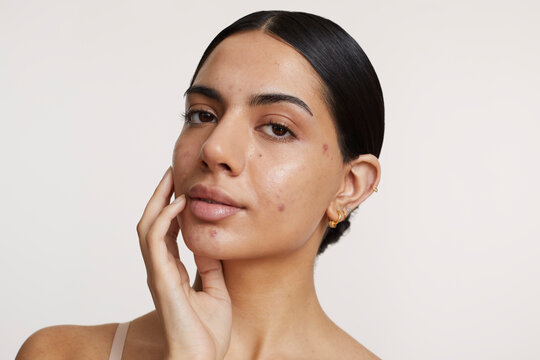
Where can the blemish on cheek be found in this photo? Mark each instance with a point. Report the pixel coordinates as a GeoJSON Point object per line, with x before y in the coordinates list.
{"type": "Point", "coordinates": [213, 233]}
{"type": "Point", "coordinates": [325, 147]}
{"type": "Point", "coordinates": [281, 207]}
{"type": "Point", "coordinates": [260, 155]}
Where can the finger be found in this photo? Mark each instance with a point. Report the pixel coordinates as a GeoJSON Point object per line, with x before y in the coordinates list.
{"type": "Point", "coordinates": [211, 273]}
{"type": "Point", "coordinates": [171, 238]}
{"type": "Point", "coordinates": [152, 210]}
{"type": "Point", "coordinates": [168, 279]}
{"type": "Point", "coordinates": [159, 199]}
{"type": "Point", "coordinates": [158, 243]}
{"type": "Point", "coordinates": [172, 247]}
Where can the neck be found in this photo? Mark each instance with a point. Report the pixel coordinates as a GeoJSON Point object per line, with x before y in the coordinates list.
{"type": "Point", "coordinates": [272, 298]}
{"type": "Point", "coordinates": [269, 293]}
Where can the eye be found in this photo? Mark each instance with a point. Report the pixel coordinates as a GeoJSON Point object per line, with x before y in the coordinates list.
{"type": "Point", "coordinates": [279, 131]}
{"type": "Point", "coordinates": [198, 117]}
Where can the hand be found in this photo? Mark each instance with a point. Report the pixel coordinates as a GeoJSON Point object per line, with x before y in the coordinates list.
{"type": "Point", "coordinates": [196, 324]}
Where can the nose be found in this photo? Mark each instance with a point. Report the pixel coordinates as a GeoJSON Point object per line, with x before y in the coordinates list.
{"type": "Point", "coordinates": [225, 149]}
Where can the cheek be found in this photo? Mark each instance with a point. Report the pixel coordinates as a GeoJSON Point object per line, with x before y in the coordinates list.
{"type": "Point", "coordinates": [302, 187]}
{"type": "Point", "coordinates": [286, 188]}
{"type": "Point", "coordinates": [184, 159]}
{"type": "Point", "coordinates": [183, 151]}
{"type": "Point", "coordinates": [280, 186]}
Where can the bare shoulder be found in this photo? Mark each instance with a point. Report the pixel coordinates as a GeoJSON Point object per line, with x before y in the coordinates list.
{"type": "Point", "coordinates": [348, 347]}
{"type": "Point", "coordinates": [355, 350]}
{"type": "Point", "coordinates": [68, 342]}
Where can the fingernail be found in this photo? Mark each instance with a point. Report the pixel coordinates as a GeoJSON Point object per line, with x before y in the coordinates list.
{"type": "Point", "coordinates": [180, 198]}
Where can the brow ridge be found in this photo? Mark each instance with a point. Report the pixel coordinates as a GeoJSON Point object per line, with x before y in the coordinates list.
{"type": "Point", "coordinates": [258, 99]}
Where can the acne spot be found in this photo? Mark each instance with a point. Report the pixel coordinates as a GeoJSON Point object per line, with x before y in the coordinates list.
{"type": "Point", "coordinates": [325, 147]}
{"type": "Point", "coordinates": [213, 233]}
{"type": "Point", "coordinates": [281, 207]}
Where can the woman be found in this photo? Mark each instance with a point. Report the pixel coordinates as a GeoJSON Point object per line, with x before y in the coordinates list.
{"type": "Point", "coordinates": [283, 125]}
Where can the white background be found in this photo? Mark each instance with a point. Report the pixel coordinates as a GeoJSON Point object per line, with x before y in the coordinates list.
{"type": "Point", "coordinates": [442, 263]}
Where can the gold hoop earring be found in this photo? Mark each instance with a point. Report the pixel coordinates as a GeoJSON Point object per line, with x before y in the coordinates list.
{"type": "Point", "coordinates": [374, 188]}
{"type": "Point", "coordinates": [333, 223]}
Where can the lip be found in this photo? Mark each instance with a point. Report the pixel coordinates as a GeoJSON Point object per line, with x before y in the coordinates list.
{"type": "Point", "coordinates": [222, 205]}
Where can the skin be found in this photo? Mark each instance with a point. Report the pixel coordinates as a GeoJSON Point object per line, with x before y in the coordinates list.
{"type": "Point", "coordinates": [254, 296]}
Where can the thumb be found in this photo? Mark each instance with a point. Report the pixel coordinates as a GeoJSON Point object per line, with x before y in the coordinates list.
{"type": "Point", "coordinates": [211, 272]}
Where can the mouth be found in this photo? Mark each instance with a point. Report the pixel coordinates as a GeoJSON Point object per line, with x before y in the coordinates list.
{"type": "Point", "coordinates": [211, 203]}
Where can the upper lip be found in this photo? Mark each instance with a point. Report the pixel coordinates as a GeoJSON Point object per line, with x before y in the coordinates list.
{"type": "Point", "coordinates": [200, 191]}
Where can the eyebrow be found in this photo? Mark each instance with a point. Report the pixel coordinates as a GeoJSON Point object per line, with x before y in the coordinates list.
{"type": "Point", "coordinates": [258, 99]}
{"type": "Point", "coordinates": [204, 90]}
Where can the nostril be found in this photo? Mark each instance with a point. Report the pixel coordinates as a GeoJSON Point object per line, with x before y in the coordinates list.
{"type": "Point", "coordinates": [221, 165]}
{"type": "Point", "coordinates": [225, 166]}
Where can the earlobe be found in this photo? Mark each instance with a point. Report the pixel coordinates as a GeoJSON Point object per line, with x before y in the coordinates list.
{"type": "Point", "coordinates": [360, 181]}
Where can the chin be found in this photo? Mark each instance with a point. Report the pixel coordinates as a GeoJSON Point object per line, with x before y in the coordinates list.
{"type": "Point", "coordinates": [202, 245]}
{"type": "Point", "coordinates": [217, 240]}
{"type": "Point", "coordinates": [211, 241]}
{"type": "Point", "coordinates": [223, 244]}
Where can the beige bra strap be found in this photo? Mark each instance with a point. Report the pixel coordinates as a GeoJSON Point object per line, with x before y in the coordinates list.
{"type": "Point", "coordinates": [118, 341]}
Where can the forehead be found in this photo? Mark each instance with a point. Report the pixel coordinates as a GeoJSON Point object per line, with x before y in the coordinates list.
{"type": "Point", "coordinates": [254, 62]}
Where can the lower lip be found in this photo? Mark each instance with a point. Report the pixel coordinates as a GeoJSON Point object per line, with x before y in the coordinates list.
{"type": "Point", "coordinates": [211, 212]}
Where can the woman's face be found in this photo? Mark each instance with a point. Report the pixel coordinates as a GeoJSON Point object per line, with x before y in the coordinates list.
{"type": "Point", "coordinates": [259, 137]}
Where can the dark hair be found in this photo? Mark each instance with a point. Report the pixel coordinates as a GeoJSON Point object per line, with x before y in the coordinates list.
{"type": "Point", "coordinates": [352, 89]}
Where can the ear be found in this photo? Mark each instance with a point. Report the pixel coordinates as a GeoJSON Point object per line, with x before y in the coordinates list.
{"type": "Point", "coordinates": [361, 178]}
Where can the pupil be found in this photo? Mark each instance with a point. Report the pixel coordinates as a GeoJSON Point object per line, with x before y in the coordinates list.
{"type": "Point", "coordinates": [205, 116]}
{"type": "Point", "coordinates": [278, 130]}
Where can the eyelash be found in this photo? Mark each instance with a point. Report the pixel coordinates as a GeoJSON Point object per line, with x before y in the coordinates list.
{"type": "Point", "coordinates": [187, 116]}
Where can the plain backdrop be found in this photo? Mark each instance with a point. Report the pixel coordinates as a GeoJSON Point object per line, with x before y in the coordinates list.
{"type": "Point", "coordinates": [442, 263]}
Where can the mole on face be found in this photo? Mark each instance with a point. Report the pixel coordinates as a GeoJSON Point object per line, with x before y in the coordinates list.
{"type": "Point", "coordinates": [325, 147]}
{"type": "Point", "coordinates": [260, 155]}
{"type": "Point", "coordinates": [281, 207]}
